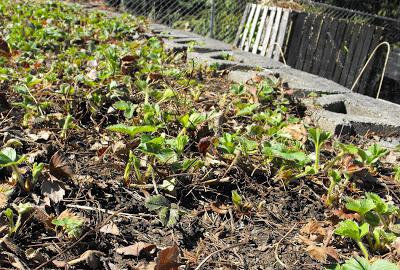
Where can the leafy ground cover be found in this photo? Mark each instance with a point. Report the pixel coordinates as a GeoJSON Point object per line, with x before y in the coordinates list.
{"type": "Point", "coordinates": [117, 154]}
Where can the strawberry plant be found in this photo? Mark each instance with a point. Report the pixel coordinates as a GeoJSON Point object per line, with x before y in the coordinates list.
{"type": "Point", "coordinates": [354, 231]}
{"type": "Point", "coordinates": [319, 138]}
{"type": "Point", "coordinates": [360, 263]}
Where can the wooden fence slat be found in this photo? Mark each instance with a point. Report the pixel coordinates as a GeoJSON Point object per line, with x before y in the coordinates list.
{"type": "Point", "coordinates": [295, 39]}
{"type": "Point", "coordinates": [357, 55]}
{"type": "Point", "coordinates": [329, 47]}
{"type": "Point", "coordinates": [241, 26]}
{"type": "Point", "coordinates": [320, 46]}
{"type": "Point", "coordinates": [253, 28]}
{"type": "Point", "coordinates": [349, 56]}
{"type": "Point", "coordinates": [362, 59]}
{"type": "Point", "coordinates": [305, 40]}
{"type": "Point", "coordinates": [368, 89]}
{"type": "Point", "coordinates": [281, 34]}
{"type": "Point", "coordinates": [260, 30]}
{"type": "Point", "coordinates": [274, 32]}
{"type": "Point", "coordinates": [248, 24]}
{"type": "Point", "coordinates": [268, 31]}
{"type": "Point", "coordinates": [312, 45]}
{"type": "Point", "coordinates": [341, 27]}
{"type": "Point", "coordinates": [343, 50]}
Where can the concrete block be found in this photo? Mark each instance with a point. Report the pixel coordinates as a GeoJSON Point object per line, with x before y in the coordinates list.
{"type": "Point", "coordinates": [237, 60]}
{"type": "Point", "coordinates": [353, 113]}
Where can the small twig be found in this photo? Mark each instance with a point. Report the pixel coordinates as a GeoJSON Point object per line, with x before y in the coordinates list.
{"type": "Point", "coordinates": [218, 251]}
{"type": "Point", "coordinates": [277, 246]}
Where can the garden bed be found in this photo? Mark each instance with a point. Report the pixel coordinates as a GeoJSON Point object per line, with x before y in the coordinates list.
{"type": "Point", "coordinates": [117, 154]}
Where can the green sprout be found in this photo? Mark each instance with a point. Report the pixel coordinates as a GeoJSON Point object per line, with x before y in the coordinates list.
{"type": "Point", "coordinates": [21, 209]}
{"type": "Point", "coordinates": [318, 137]}
{"type": "Point", "coordinates": [335, 178]}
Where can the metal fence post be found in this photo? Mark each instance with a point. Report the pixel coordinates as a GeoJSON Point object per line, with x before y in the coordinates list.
{"type": "Point", "coordinates": [212, 18]}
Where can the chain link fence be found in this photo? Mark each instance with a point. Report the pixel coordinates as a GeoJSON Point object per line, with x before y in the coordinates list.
{"type": "Point", "coordinates": [218, 19]}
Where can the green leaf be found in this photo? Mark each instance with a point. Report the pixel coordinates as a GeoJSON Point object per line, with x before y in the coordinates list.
{"type": "Point", "coordinates": [348, 148]}
{"type": "Point", "coordinates": [335, 176]}
{"type": "Point", "coordinates": [36, 171]}
{"type": "Point", "coordinates": [22, 208]}
{"type": "Point", "coordinates": [375, 152]}
{"type": "Point", "coordinates": [168, 94]}
{"type": "Point", "coordinates": [364, 230]}
{"type": "Point", "coordinates": [246, 109]}
{"type": "Point", "coordinates": [167, 156]}
{"type": "Point", "coordinates": [157, 202]}
{"type": "Point", "coordinates": [282, 151]}
{"type": "Point", "coordinates": [358, 263]}
{"type": "Point", "coordinates": [131, 130]}
{"type": "Point", "coordinates": [350, 229]}
{"type": "Point", "coordinates": [381, 206]}
{"type": "Point", "coordinates": [126, 106]}
{"type": "Point", "coordinates": [173, 216]}
{"type": "Point", "coordinates": [318, 136]}
{"type": "Point", "coordinates": [383, 265]}
{"type": "Point", "coordinates": [7, 155]}
{"type": "Point", "coordinates": [361, 206]}
{"type": "Point", "coordinates": [238, 89]}
{"type": "Point", "coordinates": [236, 199]}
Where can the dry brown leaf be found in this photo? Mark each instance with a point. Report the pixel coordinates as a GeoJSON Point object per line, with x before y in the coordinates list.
{"type": "Point", "coordinates": [52, 190]}
{"type": "Point", "coordinates": [155, 76]}
{"type": "Point", "coordinates": [5, 191]}
{"type": "Point", "coordinates": [110, 228]}
{"type": "Point", "coordinates": [136, 249]}
{"type": "Point", "coordinates": [14, 261]}
{"type": "Point", "coordinates": [4, 48]}
{"type": "Point", "coordinates": [128, 64]}
{"type": "Point", "coordinates": [321, 253]}
{"type": "Point", "coordinates": [40, 215]}
{"type": "Point", "coordinates": [59, 264]}
{"type": "Point", "coordinates": [219, 208]}
{"type": "Point", "coordinates": [314, 230]}
{"type": "Point", "coordinates": [396, 246]}
{"type": "Point", "coordinates": [297, 132]}
{"type": "Point", "coordinates": [341, 214]}
{"type": "Point", "coordinates": [60, 166]}
{"type": "Point", "coordinates": [91, 257]}
{"type": "Point", "coordinates": [4, 104]}
{"type": "Point", "coordinates": [35, 255]}
{"type": "Point", "coordinates": [167, 259]}
{"type": "Point", "coordinates": [205, 145]}
{"type": "Point", "coordinates": [145, 266]}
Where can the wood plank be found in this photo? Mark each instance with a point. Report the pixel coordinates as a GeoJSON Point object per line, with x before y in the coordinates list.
{"type": "Point", "coordinates": [343, 50]}
{"type": "Point", "coordinates": [363, 57]}
{"type": "Point", "coordinates": [274, 34]}
{"type": "Point", "coordinates": [305, 41]}
{"type": "Point", "coordinates": [355, 64]}
{"type": "Point", "coordinates": [312, 45]}
{"type": "Point", "coordinates": [248, 24]}
{"type": "Point", "coordinates": [281, 34]}
{"type": "Point", "coordinates": [329, 48]}
{"type": "Point", "coordinates": [260, 30]}
{"type": "Point", "coordinates": [253, 28]}
{"type": "Point", "coordinates": [268, 30]}
{"type": "Point", "coordinates": [366, 84]}
{"type": "Point", "coordinates": [317, 60]}
{"type": "Point", "coordinates": [336, 49]}
{"type": "Point", "coordinates": [241, 25]}
{"type": "Point", "coordinates": [349, 57]}
{"type": "Point", "coordinates": [295, 39]}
